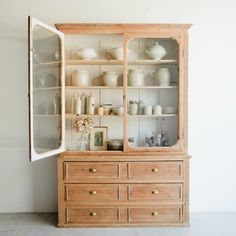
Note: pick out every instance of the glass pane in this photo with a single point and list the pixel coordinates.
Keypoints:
(47, 92)
(153, 92)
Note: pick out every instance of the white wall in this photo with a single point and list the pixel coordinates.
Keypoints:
(26, 187)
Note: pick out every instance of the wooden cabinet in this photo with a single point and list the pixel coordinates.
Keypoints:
(137, 75)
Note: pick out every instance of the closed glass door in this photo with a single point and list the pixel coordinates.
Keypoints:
(152, 93)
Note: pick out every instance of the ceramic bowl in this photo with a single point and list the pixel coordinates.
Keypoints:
(86, 53)
(118, 111)
(107, 109)
(117, 53)
(116, 145)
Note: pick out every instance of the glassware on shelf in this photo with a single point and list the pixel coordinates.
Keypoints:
(140, 107)
(133, 108)
(150, 139)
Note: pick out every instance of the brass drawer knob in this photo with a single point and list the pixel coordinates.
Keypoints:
(155, 169)
(93, 192)
(155, 213)
(92, 170)
(93, 213)
(155, 191)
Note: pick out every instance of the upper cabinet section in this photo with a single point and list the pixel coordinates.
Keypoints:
(134, 79)
(46, 90)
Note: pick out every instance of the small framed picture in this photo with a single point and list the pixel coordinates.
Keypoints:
(98, 138)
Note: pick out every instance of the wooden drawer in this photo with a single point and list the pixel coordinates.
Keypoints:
(92, 214)
(152, 192)
(91, 192)
(155, 170)
(155, 214)
(77, 171)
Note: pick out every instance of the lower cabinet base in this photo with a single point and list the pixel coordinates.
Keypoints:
(98, 216)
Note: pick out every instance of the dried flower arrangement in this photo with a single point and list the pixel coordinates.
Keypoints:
(83, 127)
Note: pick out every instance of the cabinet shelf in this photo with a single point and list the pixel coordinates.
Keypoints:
(152, 87)
(48, 88)
(94, 87)
(119, 62)
(50, 116)
(49, 64)
(153, 116)
(73, 116)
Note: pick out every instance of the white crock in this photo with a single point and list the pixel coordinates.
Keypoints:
(80, 78)
(135, 78)
(163, 77)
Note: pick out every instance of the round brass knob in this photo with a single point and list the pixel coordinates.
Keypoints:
(93, 192)
(92, 170)
(154, 213)
(93, 213)
(155, 169)
(155, 191)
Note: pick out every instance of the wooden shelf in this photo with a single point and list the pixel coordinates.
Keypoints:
(152, 116)
(48, 88)
(119, 62)
(94, 87)
(73, 116)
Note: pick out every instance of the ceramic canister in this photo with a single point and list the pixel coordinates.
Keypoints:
(157, 110)
(163, 76)
(148, 110)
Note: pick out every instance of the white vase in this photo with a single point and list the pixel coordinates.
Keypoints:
(163, 77)
(109, 78)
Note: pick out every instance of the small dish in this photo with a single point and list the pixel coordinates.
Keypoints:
(170, 110)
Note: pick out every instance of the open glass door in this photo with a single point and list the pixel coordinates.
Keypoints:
(46, 90)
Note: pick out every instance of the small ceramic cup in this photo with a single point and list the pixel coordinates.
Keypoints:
(157, 110)
(148, 110)
(100, 111)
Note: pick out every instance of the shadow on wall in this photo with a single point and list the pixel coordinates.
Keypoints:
(44, 185)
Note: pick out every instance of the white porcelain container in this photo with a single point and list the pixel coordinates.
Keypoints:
(90, 104)
(135, 77)
(157, 110)
(148, 110)
(163, 77)
(77, 106)
(118, 53)
(109, 78)
(86, 53)
(157, 52)
(83, 99)
(107, 108)
(80, 78)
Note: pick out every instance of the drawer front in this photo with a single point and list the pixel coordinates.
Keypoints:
(155, 170)
(155, 214)
(76, 171)
(92, 214)
(152, 192)
(91, 192)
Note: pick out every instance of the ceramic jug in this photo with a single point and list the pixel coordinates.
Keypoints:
(80, 78)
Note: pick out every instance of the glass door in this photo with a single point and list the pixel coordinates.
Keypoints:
(153, 83)
(46, 90)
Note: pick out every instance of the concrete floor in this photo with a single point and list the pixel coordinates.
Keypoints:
(202, 224)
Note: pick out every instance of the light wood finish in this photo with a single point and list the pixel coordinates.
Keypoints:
(92, 171)
(92, 214)
(155, 192)
(137, 186)
(92, 192)
(155, 214)
(155, 170)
